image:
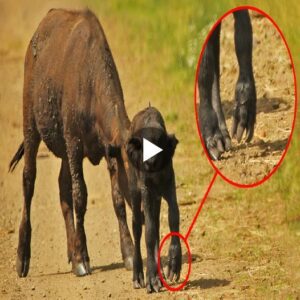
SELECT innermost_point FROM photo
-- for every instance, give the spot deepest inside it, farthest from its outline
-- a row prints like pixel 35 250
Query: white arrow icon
pixel 149 149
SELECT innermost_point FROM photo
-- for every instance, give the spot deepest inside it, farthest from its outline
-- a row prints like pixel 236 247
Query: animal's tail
pixel 16 158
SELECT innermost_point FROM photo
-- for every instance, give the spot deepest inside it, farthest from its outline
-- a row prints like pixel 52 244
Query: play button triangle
pixel 149 149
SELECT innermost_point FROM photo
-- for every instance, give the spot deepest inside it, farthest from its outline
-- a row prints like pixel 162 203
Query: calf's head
pixel 149 124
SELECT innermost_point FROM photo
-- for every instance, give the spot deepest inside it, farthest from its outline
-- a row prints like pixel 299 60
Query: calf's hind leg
pixel 31 144
pixel 66 202
pixel 244 114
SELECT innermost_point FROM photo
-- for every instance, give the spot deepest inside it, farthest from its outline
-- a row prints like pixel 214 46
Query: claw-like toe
pixel 154 285
pixel 239 133
pixel 139 283
pixel 244 114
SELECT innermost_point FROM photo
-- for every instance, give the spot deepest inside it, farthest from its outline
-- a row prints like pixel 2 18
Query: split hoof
pixel 81 269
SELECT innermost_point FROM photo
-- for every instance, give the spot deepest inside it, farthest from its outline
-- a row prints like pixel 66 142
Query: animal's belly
pixel 49 124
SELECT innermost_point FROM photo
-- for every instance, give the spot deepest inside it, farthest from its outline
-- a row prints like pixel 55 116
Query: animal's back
pixel 68 69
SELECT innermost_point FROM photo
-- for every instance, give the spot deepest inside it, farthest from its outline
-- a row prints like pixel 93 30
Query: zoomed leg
pixel 216 97
pixel 208 85
pixel 244 114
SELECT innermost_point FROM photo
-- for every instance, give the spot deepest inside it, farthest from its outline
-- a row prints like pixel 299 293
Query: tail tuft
pixel 16 158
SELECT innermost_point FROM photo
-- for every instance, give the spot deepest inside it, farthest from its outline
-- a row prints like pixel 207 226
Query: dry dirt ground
pixel 242 247
pixel 273 75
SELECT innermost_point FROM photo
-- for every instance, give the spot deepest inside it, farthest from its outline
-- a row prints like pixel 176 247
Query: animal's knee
pixel 119 203
pixel 80 197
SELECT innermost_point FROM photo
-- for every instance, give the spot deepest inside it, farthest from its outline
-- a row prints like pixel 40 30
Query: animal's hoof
pixel 153 285
pixel 174 262
pixel 128 263
pixel 22 266
pixel 227 142
pixel 81 269
pixel 139 282
pixel 217 141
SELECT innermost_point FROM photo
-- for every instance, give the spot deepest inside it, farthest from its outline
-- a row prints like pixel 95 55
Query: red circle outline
pixel 295 91
pixel 182 285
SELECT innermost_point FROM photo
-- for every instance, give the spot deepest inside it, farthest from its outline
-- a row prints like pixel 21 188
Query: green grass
pixel 165 38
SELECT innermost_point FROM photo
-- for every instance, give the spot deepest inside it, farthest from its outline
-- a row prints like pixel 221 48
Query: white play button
pixel 149 149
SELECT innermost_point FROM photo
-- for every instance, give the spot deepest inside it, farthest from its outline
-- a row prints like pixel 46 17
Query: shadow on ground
pixel 264 105
pixel 207 283
pixel 278 145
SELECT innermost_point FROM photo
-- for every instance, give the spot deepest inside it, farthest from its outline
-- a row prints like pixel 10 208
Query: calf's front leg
pixel 153 283
pixel 138 274
pixel 175 255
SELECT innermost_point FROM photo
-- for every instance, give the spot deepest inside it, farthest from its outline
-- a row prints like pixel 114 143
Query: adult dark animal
pixel 211 117
pixel 73 101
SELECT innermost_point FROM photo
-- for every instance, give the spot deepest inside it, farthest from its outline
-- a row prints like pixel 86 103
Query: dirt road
pixel 239 244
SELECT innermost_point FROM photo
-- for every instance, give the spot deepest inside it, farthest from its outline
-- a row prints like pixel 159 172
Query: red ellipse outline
pixel 255 184
pixel 182 285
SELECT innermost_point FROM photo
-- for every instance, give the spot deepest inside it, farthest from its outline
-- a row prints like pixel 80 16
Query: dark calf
pixel 211 117
pixel 154 179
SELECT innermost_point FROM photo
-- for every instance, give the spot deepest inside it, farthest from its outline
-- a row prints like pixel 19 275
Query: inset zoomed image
pixel 245 97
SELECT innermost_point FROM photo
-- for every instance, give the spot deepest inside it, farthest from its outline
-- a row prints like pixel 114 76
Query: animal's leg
pixel 80 258
pixel 153 282
pixel 66 202
pixel 209 124
pixel 31 144
pixel 216 98
pixel 120 210
pixel 156 213
pixel 138 274
pixel 244 114
pixel 175 255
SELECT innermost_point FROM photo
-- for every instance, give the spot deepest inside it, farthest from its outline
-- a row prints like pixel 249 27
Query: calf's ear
pixel 171 145
pixel 134 150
